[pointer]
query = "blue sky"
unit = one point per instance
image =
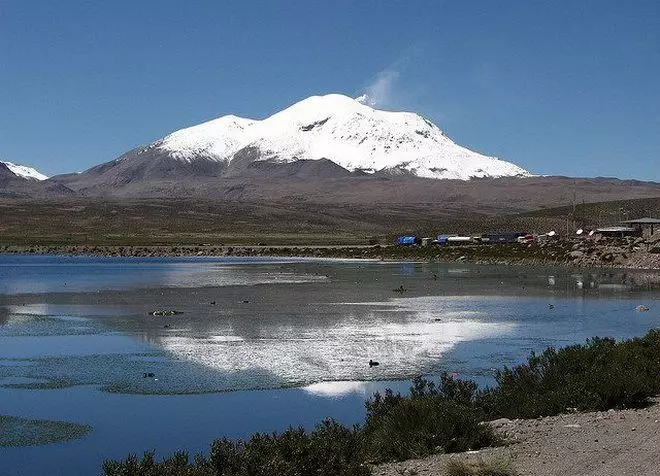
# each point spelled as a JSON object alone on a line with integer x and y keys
{"x": 569, "y": 88}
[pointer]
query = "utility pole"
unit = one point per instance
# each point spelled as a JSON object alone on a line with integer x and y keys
{"x": 573, "y": 214}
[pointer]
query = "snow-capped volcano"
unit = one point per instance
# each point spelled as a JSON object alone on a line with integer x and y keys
{"x": 24, "y": 171}
{"x": 343, "y": 130}
{"x": 318, "y": 139}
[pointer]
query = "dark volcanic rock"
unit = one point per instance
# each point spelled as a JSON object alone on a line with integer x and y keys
{"x": 141, "y": 166}
{"x": 5, "y": 173}
{"x": 247, "y": 163}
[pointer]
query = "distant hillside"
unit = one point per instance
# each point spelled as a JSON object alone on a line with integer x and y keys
{"x": 604, "y": 213}
{"x": 192, "y": 221}
{"x": 23, "y": 182}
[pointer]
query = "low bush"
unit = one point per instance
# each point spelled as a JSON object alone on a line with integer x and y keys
{"x": 330, "y": 450}
{"x": 402, "y": 428}
{"x": 176, "y": 465}
{"x": 433, "y": 418}
{"x": 599, "y": 375}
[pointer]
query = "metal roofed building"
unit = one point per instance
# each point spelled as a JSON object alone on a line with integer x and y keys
{"x": 619, "y": 231}
{"x": 641, "y": 223}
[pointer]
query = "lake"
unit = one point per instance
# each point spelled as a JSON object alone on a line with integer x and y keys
{"x": 87, "y": 372}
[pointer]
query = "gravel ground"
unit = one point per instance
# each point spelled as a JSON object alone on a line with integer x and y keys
{"x": 611, "y": 443}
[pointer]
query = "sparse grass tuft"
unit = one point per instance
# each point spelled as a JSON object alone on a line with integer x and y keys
{"x": 495, "y": 467}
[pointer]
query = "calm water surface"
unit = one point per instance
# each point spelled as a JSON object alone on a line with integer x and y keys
{"x": 262, "y": 344}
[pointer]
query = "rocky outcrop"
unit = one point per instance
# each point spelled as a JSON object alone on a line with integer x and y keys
{"x": 627, "y": 252}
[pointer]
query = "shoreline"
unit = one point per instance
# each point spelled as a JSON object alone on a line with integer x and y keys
{"x": 624, "y": 253}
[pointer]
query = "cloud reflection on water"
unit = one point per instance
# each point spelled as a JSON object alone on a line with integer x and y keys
{"x": 338, "y": 389}
{"x": 47, "y": 274}
{"x": 229, "y": 275}
{"x": 408, "y": 340}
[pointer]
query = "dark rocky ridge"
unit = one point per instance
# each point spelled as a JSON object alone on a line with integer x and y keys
{"x": 145, "y": 173}
{"x": 150, "y": 172}
{"x": 5, "y": 173}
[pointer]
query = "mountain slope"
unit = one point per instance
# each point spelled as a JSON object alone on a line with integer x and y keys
{"x": 13, "y": 185}
{"x": 24, "y": 171}
{"x": 349, "y": 137}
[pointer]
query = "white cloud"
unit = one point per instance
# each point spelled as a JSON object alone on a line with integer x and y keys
{"x": 380, "y": 92}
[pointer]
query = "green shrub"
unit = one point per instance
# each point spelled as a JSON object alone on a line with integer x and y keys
{"x": 176, "y": 465}
{"x": 337, "y": 450}
{"x": 448, "y": 389}
{"x": 599, "y": 375}
{"x": 226, "y": 456}
{"x": 434, "y": 418}
{"x": 330, "y": 450}
{"x": 424, "y": 425}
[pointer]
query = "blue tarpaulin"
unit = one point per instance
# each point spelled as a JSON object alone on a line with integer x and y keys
{"x": 406, "y": 240}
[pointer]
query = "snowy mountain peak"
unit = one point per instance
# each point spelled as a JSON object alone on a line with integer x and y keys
{"x": 343, "y": 130}
{"x": 216, "y": 139}
{"x": 25, "y": 172}
{"x": 363, "y": 99}
{"x": 329, "y": 104}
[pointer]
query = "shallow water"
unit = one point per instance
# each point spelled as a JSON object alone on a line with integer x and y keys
{"x": 261, "y": 344}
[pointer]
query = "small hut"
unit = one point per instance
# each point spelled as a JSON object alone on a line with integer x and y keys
{"x": 618, "y": 231}
{"x": 643, "y": 224}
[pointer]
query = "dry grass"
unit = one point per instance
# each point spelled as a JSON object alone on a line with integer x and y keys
{"x": 157, "y": 221}
{"x": 496, "y": 467}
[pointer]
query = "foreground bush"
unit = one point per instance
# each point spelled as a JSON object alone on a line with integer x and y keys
{"x": 434, "y": 418}
{"x": 599, "y": 375}
{"x": 176, "y": 465}
{"x": 416, "y": 427}
{"x": 330, "y": 450}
